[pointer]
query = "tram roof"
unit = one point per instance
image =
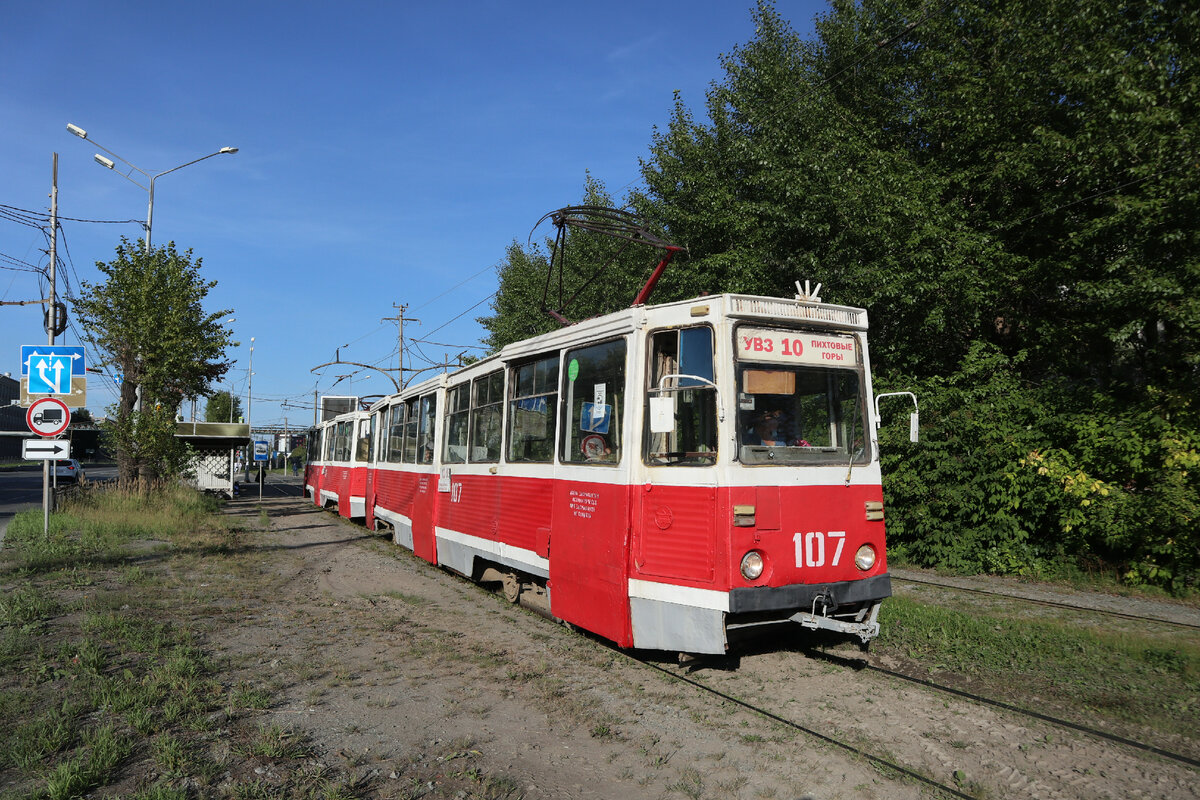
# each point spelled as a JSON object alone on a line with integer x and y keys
{"x": 773, "y": 310}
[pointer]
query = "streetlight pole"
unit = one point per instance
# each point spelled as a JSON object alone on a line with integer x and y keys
{"x": 150, "y": 179}
{"x": 249, "y": 407}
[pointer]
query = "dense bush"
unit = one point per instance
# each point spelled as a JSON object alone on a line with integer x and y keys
{"x": 1034, "y": 479}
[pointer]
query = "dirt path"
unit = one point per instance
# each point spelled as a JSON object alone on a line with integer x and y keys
{"x": 420, "y": 684}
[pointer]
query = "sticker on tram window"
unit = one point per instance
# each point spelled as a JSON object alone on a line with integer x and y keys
{"x": 796, "y": 347}
{"x": 594, "y": 417}
{"x": 814, "y": 547}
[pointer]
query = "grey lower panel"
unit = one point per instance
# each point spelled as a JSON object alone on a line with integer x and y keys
{"x": 658, "y": 625}
{"x": 461, "y": 558}
{"x": 457, "y": 557}
{"x": 402, "y": 535}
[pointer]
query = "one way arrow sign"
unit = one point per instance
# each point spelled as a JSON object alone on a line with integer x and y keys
{"x": 45, "y": 449}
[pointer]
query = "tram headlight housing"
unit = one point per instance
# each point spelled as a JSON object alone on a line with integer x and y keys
{"x": 752, "y": 565}
{"x": 864, "y": 559}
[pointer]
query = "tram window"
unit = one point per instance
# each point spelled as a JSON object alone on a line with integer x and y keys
{"x": 595, "y": 395}
{"x": 362, "y": 450}
{"x": 341, "y": 446}
{"x": 532, "y": 411}
{"x": 395, "y": 433}
{"x": 487, "y": 393}
{"x": 800, "y": 415}
{"x": 458, "y": 412}
{"x": 693, "y": 441}
{"x": 410, "y": 431}
{"x": 425, "y": 428}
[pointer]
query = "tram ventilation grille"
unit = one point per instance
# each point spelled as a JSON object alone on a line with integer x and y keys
{"x": 841, "y": 316}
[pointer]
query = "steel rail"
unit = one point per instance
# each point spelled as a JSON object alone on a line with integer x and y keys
{"x": 860, "y": 664}
{"x": 1049, "y": 603}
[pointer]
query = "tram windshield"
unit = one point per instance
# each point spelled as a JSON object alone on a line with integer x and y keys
{"x": 681, "y": 368}
{"x": 799, "y": 413}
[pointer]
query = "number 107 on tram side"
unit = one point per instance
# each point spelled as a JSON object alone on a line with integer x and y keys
{"x": 668, "y": 477}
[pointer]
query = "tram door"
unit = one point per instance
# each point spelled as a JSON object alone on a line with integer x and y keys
{"x": 675, "y": 528}
{"x": 590, "y": 531}
{"x": 425, "y": 498}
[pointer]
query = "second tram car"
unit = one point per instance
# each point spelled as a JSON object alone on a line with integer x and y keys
{"x": 665, "y": 476}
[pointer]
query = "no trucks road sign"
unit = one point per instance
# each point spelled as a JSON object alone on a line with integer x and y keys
{"x": 48, "y": 417}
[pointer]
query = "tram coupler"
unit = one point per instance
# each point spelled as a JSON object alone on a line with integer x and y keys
{"x": 865, "y": 629}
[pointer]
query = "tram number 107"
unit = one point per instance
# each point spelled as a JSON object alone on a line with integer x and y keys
{"x": 811, "y": 547}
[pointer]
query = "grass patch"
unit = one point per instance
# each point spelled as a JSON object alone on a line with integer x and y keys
{"x": 1126, "y": 678}
{"x": 102, "y": 673}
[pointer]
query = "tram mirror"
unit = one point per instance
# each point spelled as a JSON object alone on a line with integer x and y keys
{"x": 662, "y": 414}
{"x": 913, "y": 422}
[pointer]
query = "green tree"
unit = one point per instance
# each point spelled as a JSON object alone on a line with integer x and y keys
{"x": 1011, "y": 193}
{"x": 149, "y": 322}
{"x": 1011, "y": 197}
{"x": 223, "y": 407}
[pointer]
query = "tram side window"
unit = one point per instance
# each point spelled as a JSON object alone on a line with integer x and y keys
{"x": 425, "y": 428}
{"x": 595, "y": 395}
{"x": 531, "y": 413}
{"x": 487, "y": 393}
{"x": 395, "y": 433}
{"x": 341, "y": 448}
{"x": 410, "y": 431}
{"x": 693, "y": 439}
{"x": 458, "y": 412}
{"x": 328, "y": 438}
{"x": 362, "y": 447}
{"x": 312, "y": 449}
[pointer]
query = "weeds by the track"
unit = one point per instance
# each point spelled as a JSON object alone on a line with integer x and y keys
{"x": 1137, "y": 679}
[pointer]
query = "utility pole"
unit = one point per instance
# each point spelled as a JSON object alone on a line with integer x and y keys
{"x": 52, "y": 316}
{"x": 400, "y": 319}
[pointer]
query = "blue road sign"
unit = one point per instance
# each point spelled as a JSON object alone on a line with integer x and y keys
{"x": 262, "y": 449}
{"x": 50, "y": 367}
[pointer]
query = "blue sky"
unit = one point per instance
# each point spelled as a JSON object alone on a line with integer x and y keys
{"x": 388, "y": 153}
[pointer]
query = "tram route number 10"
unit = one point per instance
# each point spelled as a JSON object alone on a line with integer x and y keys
{"x": 811, "y": 547}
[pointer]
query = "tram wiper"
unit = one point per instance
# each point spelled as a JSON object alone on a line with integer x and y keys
{"x": 850, "y": 440}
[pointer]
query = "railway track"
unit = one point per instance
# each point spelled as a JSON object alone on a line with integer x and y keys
{"x": 684, "y": 675}
{"x": 877, "y": 760}
{"x": 1180, "y": 617}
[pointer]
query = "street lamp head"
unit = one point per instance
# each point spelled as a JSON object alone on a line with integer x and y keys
{"x": 78, "y": 131}
{"x": 104, "y": 162}
{"x": 228, "y": 150}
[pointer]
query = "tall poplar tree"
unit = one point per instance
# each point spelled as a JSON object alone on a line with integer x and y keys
{"x": 149, "y": 322}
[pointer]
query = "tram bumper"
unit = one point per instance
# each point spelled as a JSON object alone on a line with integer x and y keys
{"x": 847, "y": 607}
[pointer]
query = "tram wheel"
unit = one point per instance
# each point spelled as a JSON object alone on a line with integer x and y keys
{"x": 511, "y": 587}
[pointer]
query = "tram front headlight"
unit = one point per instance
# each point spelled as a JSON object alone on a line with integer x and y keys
{"x": 752, "y": 565}
{"x": 864, "y": 559}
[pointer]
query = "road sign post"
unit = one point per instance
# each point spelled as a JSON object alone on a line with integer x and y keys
{"x": 47, "y": 417}
{"x": 262, "y": 451}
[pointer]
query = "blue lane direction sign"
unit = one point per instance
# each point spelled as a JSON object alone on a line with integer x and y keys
{"x": 49, "y": 370}
{"x": 50, "y": 367}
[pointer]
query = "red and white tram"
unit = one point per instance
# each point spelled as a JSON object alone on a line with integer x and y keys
{"x": 665, "y": 476}
{"x": 335, "y": 475}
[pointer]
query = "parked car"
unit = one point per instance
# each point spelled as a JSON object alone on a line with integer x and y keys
{"x": 68, "y": 470}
